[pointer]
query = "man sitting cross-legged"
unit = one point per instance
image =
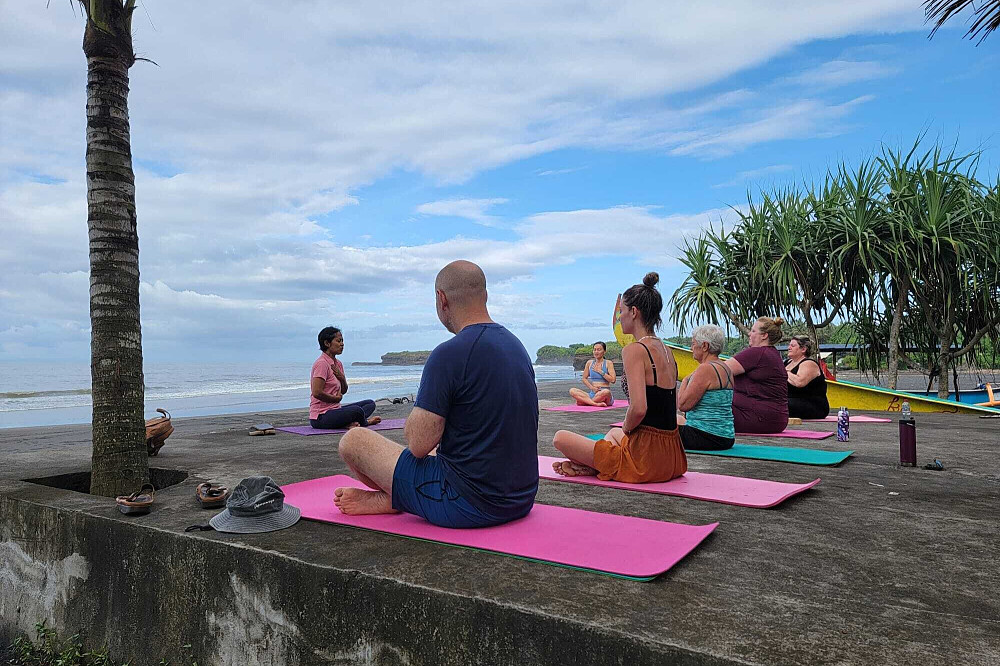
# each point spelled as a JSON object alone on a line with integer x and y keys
{"x": 477, "y": 404}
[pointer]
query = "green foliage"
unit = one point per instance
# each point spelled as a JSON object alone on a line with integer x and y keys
{"x": 906, "y": 246}
{"x": 849, "y": 362}
{"x": 555, "y": 355}
{"x": 47, "y": 650}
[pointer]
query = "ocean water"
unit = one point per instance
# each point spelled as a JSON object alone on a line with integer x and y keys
{"x": 38, "y": 394}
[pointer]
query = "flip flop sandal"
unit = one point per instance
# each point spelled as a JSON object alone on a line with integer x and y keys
{"x": 262, "y": 429}
{"x": 138, "y": 503}
{"x": 937, "y": 465}
{"x": 211, "y": 495}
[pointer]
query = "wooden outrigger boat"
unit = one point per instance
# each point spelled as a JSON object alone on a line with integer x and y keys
{"x": 861, "y": 397}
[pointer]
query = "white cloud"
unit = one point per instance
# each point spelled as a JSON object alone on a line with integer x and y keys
{"x": 257, "y": 123}
{"x": 558, "y": 172}
{"x": 470, "y": 209}
{"x": 744, "y": 178}
{"x": 836, "y": 73}
{"x": 805, "y": 118}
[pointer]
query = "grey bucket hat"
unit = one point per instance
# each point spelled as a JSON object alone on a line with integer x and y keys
{"x": 256, "y": 505}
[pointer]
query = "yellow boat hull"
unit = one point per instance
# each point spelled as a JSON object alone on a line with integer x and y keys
{"x": 860, "y": 396}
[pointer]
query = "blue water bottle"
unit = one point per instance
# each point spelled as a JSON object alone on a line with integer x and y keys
{"x": 843, "y": 425}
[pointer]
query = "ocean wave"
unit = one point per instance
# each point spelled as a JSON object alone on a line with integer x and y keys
{"x": 43, "y": 394}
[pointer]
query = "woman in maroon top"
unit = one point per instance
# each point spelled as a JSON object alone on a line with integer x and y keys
{"x": 760, "y": 391}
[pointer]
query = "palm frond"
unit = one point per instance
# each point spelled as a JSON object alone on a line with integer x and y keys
{"x": 986, "y": 15}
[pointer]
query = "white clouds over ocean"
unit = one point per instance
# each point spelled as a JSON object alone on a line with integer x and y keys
{"x": 266, "y": 126}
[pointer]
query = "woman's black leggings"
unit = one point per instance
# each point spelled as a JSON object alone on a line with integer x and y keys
{"x": 341, "y": 417}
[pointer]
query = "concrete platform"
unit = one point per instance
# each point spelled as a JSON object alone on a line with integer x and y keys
{"x": 877, "y": 565}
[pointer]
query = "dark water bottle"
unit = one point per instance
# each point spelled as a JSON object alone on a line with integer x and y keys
{"x": 907, "y": 437}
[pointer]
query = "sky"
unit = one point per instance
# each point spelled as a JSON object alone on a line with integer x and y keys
{"x": 304, "y": 164}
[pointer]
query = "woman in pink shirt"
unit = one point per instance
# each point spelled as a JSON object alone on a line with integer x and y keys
{"x": 328, "y": 385}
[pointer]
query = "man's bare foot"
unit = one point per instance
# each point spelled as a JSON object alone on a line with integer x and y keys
{"x": 570, "y": 468}
{"x": 358, "y": 502}
{"x": 375, "y": 420}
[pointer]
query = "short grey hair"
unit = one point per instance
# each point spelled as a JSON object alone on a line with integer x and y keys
{"x": 713, "y": 335}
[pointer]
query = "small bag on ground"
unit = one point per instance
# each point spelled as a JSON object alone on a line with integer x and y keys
{"x": 157, "y": 431}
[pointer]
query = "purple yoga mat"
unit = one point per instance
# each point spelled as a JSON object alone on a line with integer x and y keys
{"x": 388, "y": 424}
{"x": 618, "y": 404}
{"x": 792, "y": 434}
{"x": 619, "y": 545}
{"x": 860, "y": 418}
{"x": 736, "y": 490}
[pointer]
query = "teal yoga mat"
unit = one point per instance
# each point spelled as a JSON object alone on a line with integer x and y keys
{"x": 789, "y": 454}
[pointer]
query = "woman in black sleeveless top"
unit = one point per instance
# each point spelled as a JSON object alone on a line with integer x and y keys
{"x": 806, "y": 383}
{"x": 647, "y": 448}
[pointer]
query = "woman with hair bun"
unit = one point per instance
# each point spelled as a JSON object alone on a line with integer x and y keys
{"x": 647, "y": 448}
{"x": 760, "y": 390}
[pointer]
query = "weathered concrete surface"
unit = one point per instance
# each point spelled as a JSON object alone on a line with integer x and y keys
{"x": 878, "y": 564}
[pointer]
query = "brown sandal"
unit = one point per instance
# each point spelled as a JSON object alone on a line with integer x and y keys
{"x": 157, "y": 431}
{"x": 211, "y": 495}
{"x": 138, "y": 503}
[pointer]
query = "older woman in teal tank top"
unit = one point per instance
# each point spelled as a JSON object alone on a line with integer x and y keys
{"x": 706, "y": 395}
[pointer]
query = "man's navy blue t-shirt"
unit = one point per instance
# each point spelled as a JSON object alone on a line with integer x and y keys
{"x": 482, "y": 383}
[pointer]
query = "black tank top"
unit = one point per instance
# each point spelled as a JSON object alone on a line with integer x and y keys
{"x": 661, "y": 403}
{"x": 816, "y": 388}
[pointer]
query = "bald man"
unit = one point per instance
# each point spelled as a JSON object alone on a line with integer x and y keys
{"x": 477, "y": 405}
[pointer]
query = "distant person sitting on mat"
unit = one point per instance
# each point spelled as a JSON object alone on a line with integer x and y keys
{"x": 806, "y": 383}
{"x": 760, "y": 400}
{"x": 598, "y": 376}
{"x": 328, "y": 385}
{"x": 647, "y": 448}
{"x": 706, "y": 395}
{"x": 480, "y": 414}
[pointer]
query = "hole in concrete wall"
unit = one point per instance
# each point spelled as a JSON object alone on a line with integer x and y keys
{"x": 80, "y": 481}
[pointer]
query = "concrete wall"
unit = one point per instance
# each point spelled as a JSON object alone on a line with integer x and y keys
{"x": 145, "y": 593}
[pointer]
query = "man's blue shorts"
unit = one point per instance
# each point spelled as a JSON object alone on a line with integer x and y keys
{"x": 419, "y": 487}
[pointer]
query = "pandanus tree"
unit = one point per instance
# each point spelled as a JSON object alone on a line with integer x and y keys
{"x": 906, "y": 246}
{"x": 955, "y": 259}
{"x": 119, "y": 463}
{"x": 776, "y": 260}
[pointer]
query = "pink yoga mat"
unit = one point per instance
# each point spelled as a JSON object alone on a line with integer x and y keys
{"x": 388, "y": 424}
{"x": 618, "y": 545}
{"x": 792, "y": 434}
{"x": 618, "y": 404}
{"x": 861, "y": 418}
{"x": 753, "y": 493}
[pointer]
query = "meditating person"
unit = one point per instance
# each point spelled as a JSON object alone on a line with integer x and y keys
{"x": 598, "y": 376}
{"x": 760, "y": 398}
{"x": 477, "y": 404}
{"x": 647, "y": 448}
{"x": 706, "y": 395}
{"x": 328, "y": 384}
{"x": 806, "y": 383}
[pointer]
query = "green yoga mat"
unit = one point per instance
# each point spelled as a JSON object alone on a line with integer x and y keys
{"x": 776, "y": 453}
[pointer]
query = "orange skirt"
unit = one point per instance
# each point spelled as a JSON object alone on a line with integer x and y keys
{"x": 646, "y": 455}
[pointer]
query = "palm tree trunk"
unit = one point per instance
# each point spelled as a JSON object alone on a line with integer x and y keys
{"x": 120, "y": 465}
{"x": 944, "y": 356}
{"x": 897, "y": 320}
